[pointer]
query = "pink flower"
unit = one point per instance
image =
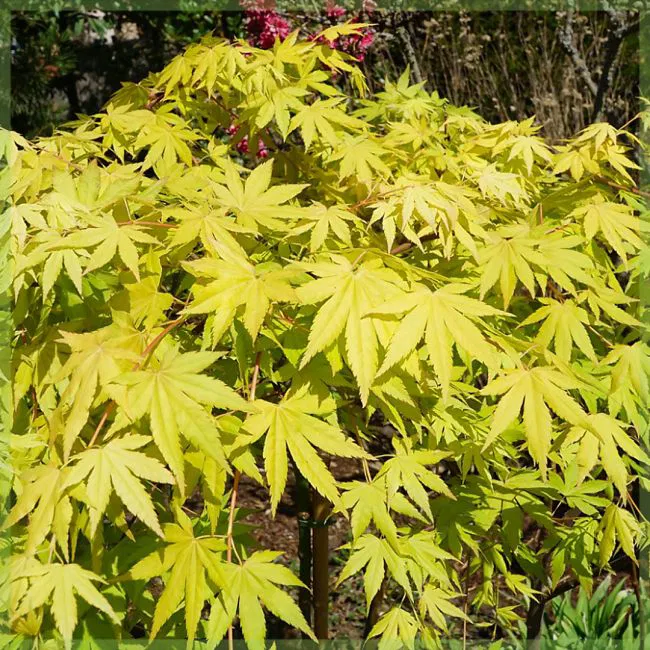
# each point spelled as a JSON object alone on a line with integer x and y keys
{"x": 334, "y": 11}
{"x": 242, "y": 145}
{"x": 263, "y": 26}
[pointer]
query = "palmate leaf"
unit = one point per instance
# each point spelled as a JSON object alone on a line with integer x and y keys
{"x": 117, "y": 466}
{"x": 443, "y": 318}
{"x": 501, "y": 185}
{"x": 41, "y": 485}
{"x": 58, "y": 584}
{"x": 351, "y": 293}
{"x": 245, "y": 588}
{"x": 229, "y": 283}
{"x": 369, "y": 502}
{"x": 618, "y": 524}
{"x": 529, "y": 148}
{"x": 376, "y": 555}
{"x": 435, "y": 603}
{"x": 564, "y": 324}
{"x": 290, "y": 429}
{"x": 537, "y": 389}
{"x": 190, "y": 561}
{"x": 614, "y": 221}
{"x": 172, "y": 392}
{"x": 415, "y": 202}
{"x": 397, "y": 628}
{"x": 631, "y": 370}
{"x": 408, "y": 469}
{"x": 110, "y": 238}
{"x": 207, "y": 225}
{"x": 518, "y": 253}
{"x": 361, "y": 157}
{"x": 96, "y": 358}
{"x": 320, "y": 118}
{"x": 323, "y": 222}
{"x": 600, "y": 438}
{"x": 254, "y": 203}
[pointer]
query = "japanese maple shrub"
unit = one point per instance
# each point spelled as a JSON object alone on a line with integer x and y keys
{"x": 188, "y": 312}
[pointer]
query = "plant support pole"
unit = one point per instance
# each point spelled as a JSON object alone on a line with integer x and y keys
{"x": 303, "y": 507}
{"x": 320, "y": 554}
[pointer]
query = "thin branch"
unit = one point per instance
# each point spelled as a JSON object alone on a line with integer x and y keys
{"x": 137, "y": 366}
{"x": 410, "y": 54}
{"x": 235, "y": 488}
{"x": 401, "y": 248}
{"x": 623, "y": 188}
{"x": 566, "y": 39}
{"x": 149, "y": 224}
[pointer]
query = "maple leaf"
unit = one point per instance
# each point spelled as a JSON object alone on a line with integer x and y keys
{"x": 41, "y": 485}
{"x": 249, "y": 586}
{"x": 527, "y": 147}
{"x": 147, "y": 305}
{"x": 499, "y": 185}
{"x": 210, "y": 226}
{"x": 575, "y": 159}
{"x": 631, "y": 370}
{"x": 375, "y": 554}
{"x": 326, "y": 221}
{"x": 434, "y": 603}
{"x": 398, "y": 628}
{"x": 564, "y": 323}
{"x": 360, "y": 156}
{"x": 232, "y": 282}
{"x": 537, "y": 389}
{"x": 319, "y": 118}
{"x": 516, "y": 253}
{"x": 96, "y": 358}
{"x": 290, "y": 428}
{"x": 172, "y": 391}
{"x": 117, "y": 466}
{"x": 58, "y": 584}
{"x": 614, "y": 221}
{"x": 191, "y": 561}
{"x": 443, "y": 317}
{"x": 369, "y": 502}
{"x": 167, "y": 141}
{"x": 407, "y": 469}
{"x": 351, "y": 293}
{"x": 617, "y": 524}
{"x": 599, "y": 438}
{"x": 254, "y": 202}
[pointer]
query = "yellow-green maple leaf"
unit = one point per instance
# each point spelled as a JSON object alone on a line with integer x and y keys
{"x": 537, "y": 389}
{"x": 351, "y": 292}
{"x": 290, "y": 428}
{"x": 564, "y": 324}
{"x": 172, "y": 391}
{"x": 117, "y": 466}
{"x": 190, "y": 561}
{"x": 443, "y": 317}
{"x": 254, "y": 203}
{"x": 58, "y": 584}
{"x": 248, "y": 586}
{"x": 232, "y": 282}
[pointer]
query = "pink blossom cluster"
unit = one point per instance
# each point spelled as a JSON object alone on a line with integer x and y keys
{"x": 242, "y": 145}
{"x": 264, "y": 24}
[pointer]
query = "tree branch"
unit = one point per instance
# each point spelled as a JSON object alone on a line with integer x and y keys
{"x": 566, "y": 39}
